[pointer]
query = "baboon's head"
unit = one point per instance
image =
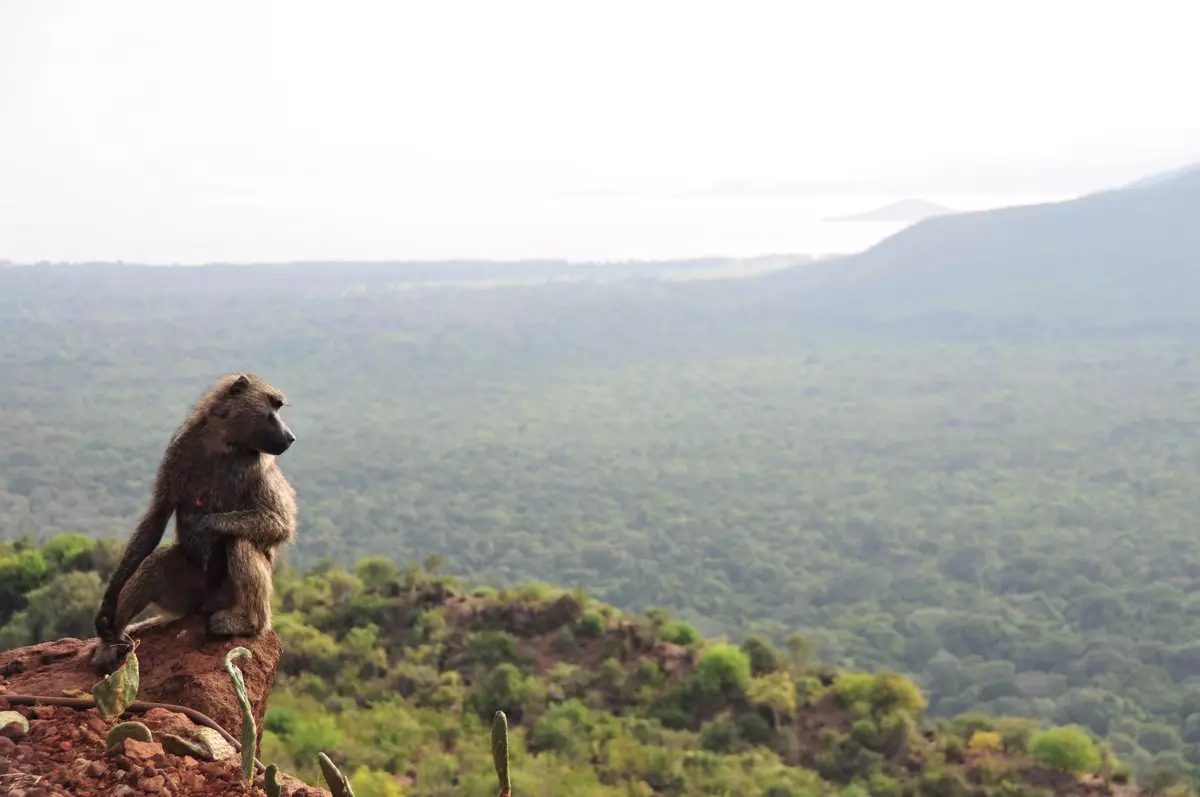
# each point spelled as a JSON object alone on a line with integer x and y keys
{"x": 246, "y": 410}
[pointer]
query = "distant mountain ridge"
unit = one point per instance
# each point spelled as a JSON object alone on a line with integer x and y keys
{"x": 1128, "y": 253}
{"x": 1162, "y": 177}
{"x": 904, "y": 210}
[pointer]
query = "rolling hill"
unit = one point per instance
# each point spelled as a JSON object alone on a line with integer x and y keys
{"x": 1127, "y": 255}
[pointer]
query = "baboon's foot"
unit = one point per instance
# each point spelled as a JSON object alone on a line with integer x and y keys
{"x": 227, "y": 623}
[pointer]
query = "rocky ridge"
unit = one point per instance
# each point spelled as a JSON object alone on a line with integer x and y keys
{"x": 62, "y": 749}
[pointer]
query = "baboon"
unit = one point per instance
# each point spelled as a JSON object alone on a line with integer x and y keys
{"x": 233, "y": 508}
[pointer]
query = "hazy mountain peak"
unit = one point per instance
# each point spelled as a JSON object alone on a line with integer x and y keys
{"x": 904, "y": 210}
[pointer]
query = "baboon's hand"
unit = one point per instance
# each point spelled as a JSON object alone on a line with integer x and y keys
{"x": 107, "y": 656}
{"x": 104, "y": 624}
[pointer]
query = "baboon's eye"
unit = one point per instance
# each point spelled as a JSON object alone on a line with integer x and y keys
{"x": 277, "y": 403}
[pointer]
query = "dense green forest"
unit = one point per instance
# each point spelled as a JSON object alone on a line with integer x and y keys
{"x": 1007, "y": 514}
{"x": 394, "y": 671}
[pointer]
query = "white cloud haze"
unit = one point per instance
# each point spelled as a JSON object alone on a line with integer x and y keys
{"x": 279, "y": 130}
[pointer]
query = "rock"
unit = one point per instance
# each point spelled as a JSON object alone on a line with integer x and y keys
{"x": 153, "y": 784}
{"x": 140, "y": 751}
{"x": 13, "y": 725}
{"x": 66, "y": 748}
{"x": 178, "y": 662}
{"x": 201, "y": 743}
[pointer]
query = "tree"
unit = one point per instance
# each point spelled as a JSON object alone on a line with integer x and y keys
{"x": 776, "y": 691}
{"x": 723, "y": 669}
{"x": 1068, "y": 748}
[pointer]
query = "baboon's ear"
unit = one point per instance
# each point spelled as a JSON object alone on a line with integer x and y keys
{"x": 239, "y": 385}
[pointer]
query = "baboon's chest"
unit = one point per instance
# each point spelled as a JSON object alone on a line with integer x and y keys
{"x": 221, "y": 490}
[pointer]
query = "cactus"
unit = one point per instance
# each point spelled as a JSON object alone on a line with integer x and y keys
{"x": 114, "y": 694}
{"x": 127, "y": 730}
{"x": 249, "y": 730}
{"x": 272, "y": 785}
{"x": 338, "y": 785}
{"x": 500, "y": 752}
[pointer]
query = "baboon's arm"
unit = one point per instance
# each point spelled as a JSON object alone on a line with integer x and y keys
{"x": 145, "y": 539}
{"x": 258, "y": 526}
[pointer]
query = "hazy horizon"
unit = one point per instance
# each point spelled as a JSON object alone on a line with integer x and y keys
{"x": 150, "y": 132}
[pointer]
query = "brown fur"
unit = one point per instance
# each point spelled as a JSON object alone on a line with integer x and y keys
{"x": 233, "y": 508}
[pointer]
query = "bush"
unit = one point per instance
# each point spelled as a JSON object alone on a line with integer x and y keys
{"x": 723, "y": 668}
{"x": 985, "y": 741}
{"x": 1015, "y": 733}
{"x": 281, "y": 721}
{"x": 894, "y": 692}
{"x": 764, "y": 658}
{"x": 720, "y": 735}
{"x": 564, "y": 642}
{"x": 19, "y": 574}
{"x": 1069, "y": 749}
{"x": 591, "y": 624}
{"x": 680, "y": 633}
{"x": 69, "y": 551}
{"x": 559, "y": 728}
{"x": 754, "y": 729}
{"x": 884, "y": 693}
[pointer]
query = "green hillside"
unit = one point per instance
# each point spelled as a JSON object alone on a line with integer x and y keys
{"x": 1007, "y": 516}
{"x": 395, "y": 671}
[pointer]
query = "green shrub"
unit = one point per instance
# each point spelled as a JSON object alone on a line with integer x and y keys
{"x": 680, "y": 633}
{"x": 564, "y": 642}
{"x": 882, "y": 693}
{"x": 591, "y": 624}
{"x": 720, "y": 735}
{"x": 754, "y": 728}
{"x": 559, "y": 728}
{"x": 723, "y": 668}
{"x": 1068, "y": 748}
{"x": 281, "y": 721}
{"x": 20, "y": 573}
{"x": 68, "y": 551}
{"x": 764, "y": 658}
{"x": 1015, "y": 732}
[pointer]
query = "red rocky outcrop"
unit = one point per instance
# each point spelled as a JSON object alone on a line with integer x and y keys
{"x": 63, "y": 751}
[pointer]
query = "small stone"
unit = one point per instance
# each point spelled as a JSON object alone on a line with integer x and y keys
{"x": 13, "y": 725}
{"x": 43, "y": 712}
{"x": 93, "y": 721}
{"x": 122, "y": 791}
{"x": 95, "y": 769}
{"x": 193, "y": 782}
{"x": 140, "y": 751}
{"x": 65, "y": 746}
{"x": 7, "y": 745}
{"x": 152, "y": 785}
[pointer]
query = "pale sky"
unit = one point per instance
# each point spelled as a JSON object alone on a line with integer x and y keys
{"x": 185, "y": 132}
